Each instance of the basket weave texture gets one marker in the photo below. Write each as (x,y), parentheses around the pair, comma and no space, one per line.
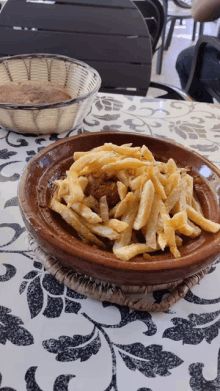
(135,297)
(80,80)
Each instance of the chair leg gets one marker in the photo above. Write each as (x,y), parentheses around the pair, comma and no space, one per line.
(170,34)
(160,51)
(194,31)
(201,29)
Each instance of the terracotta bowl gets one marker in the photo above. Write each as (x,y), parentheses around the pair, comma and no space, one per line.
(59,240)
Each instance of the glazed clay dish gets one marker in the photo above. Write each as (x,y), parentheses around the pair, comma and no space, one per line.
(59,240)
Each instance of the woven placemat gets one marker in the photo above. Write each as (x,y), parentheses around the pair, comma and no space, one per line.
(136,297)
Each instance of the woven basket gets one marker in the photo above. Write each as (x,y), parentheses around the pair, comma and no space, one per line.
(135,297)
(80,80)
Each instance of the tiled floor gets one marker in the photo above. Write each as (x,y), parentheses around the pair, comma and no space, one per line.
(181,40)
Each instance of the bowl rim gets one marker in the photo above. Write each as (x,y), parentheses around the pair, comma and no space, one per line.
(69,102)
(212,248)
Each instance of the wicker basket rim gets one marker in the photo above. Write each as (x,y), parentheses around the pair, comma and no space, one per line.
(56,104)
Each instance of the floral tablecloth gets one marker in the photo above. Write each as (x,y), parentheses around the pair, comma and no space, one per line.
(52,338)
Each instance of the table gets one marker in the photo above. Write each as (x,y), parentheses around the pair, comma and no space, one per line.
(52,338)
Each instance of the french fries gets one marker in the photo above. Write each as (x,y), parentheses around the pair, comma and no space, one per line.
(149,205)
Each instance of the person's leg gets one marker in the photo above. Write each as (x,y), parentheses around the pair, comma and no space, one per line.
(210,68)
(183,65)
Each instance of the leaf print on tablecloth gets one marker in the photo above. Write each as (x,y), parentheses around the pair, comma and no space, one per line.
(132,108)
(108,103)
(12,202)
(17,232)
(5,388)
(150,360)
(6,154)
(108,128)
(205,148)
(61,383)
(185,130)
(40,140)
(42,288)
(35,297)
(144,389)
(192,298)
(108,117)
(20,142)
(197,380)
(9,274)
(129,316)
(12,178)
(134,126)
(186,331)
(54,307)
(11,329)
(71,349)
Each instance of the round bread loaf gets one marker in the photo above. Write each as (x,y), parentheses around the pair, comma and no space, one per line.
(32,93)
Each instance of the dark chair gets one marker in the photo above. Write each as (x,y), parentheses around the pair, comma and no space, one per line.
(153,14)
(194,78)
(109,35)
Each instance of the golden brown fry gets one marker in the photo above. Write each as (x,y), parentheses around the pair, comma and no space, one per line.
(152,172)
(83,182)
(145,206)
(123,177)
(125,164)
(75,190)
(117,225)
(196,230)
(94,166)
(81,163)
(101,230)
(146,154)
(86,212)
(63,188)
(204,223)
(172,182)
(151,227)
(122,206)
(127,252)
(103,205)
(128,217)
(179,223)
(122,190)
(179,241)
(162,178)
(168,236)
(178,220)
(196,206)
(189,189)
(175,195)
(92,203)
(136,182)
(71,218)
(171,167)
(180,205)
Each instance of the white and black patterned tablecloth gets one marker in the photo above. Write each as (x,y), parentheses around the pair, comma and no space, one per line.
(52,338)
